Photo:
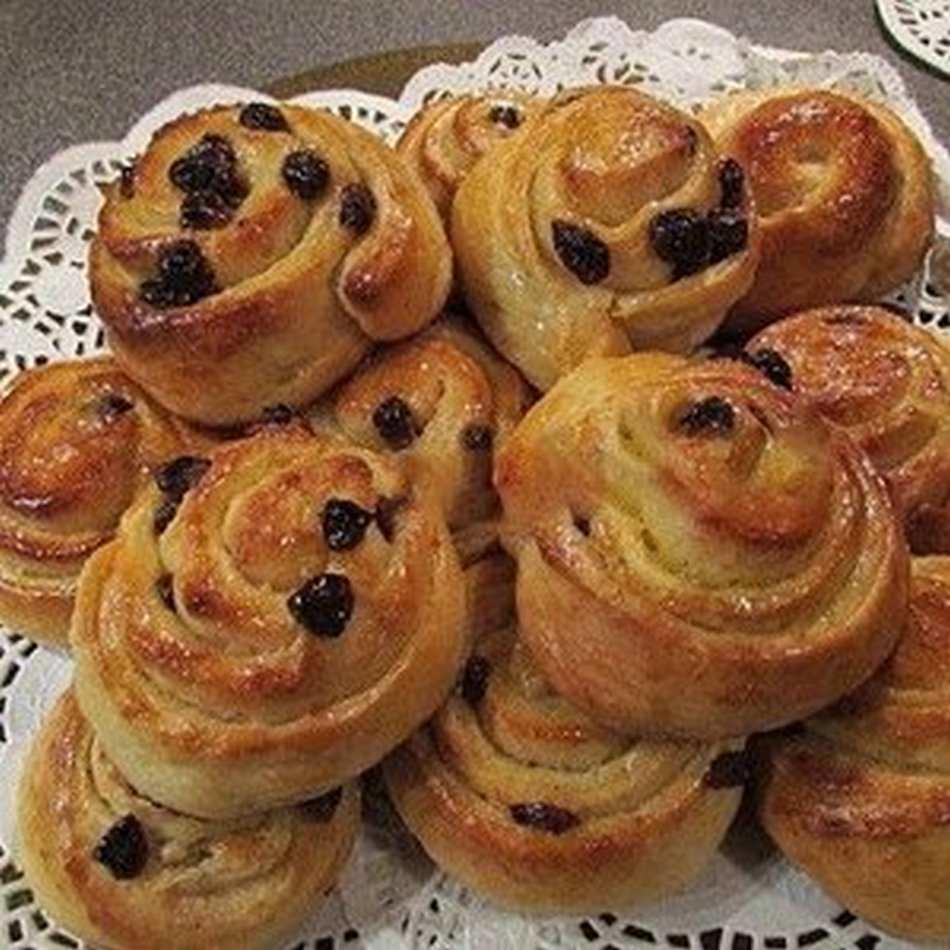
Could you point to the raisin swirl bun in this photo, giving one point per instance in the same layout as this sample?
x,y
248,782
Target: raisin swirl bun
x,y
122,872
446,137
697,554
844,191
529,802
860,796
250,257
442,402
888,383
270,622
77,440
607,223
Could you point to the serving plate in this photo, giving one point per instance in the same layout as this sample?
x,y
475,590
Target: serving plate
x,y
390,895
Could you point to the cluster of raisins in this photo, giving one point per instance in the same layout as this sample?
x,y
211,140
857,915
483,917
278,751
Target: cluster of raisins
x,y
214,189
184,277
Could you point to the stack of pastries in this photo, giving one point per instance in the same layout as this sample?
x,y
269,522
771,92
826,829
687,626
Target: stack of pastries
x,y
627,532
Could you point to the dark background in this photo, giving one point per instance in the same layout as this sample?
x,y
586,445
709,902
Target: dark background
x,y
78,70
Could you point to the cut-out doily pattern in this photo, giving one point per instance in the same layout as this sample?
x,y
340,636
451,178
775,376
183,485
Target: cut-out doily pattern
x,y
921,27
390,895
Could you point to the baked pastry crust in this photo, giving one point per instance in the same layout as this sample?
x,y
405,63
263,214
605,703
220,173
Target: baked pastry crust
x,y
844,191
237,662
236,885
552,234
292,285
77,441
616,821
888,383
860,797
697,554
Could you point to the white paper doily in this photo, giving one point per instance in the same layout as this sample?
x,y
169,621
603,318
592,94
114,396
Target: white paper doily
x,y
921,27
390,896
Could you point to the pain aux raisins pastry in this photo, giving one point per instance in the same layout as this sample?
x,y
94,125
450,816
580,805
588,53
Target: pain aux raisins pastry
x,y
446,137
527,801
860,797
888,383
77,440
443,402
843,189
697,553
270,622
252,255
610,222
119,870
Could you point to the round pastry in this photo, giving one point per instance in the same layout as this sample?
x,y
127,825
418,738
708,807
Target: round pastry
x,y
121,872
251,255
860,796
446,137
443,401
526,800
888,383
270,622
608,222
77,440
697,553
843,189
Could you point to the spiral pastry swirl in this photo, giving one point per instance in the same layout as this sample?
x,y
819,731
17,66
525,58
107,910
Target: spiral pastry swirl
x,y
860,797
445,138
888,383
697,554
844,191
251,255
295,614
526,800
77,440
443,402
121,871
607,223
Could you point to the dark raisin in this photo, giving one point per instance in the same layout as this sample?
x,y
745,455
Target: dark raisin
x,y
692,139
174,478
395,422
508,116
544,817
127,179
279,415
184,277
386,509
729,770
164,587
209,165
728,234
156,293
475,679
204,210
323,808
306,174
123,849
164,514
711,415
582,525
344,524
772,365
323,604
477,438
731,183
584,254
681,238
262,116
357,208
113,405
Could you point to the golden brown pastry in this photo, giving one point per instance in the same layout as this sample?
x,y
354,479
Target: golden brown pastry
x,y
527,801
251,255
123,873
697,554
446,137
77,440
888,383
270,622
860,797
442,401
608,222
844,191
